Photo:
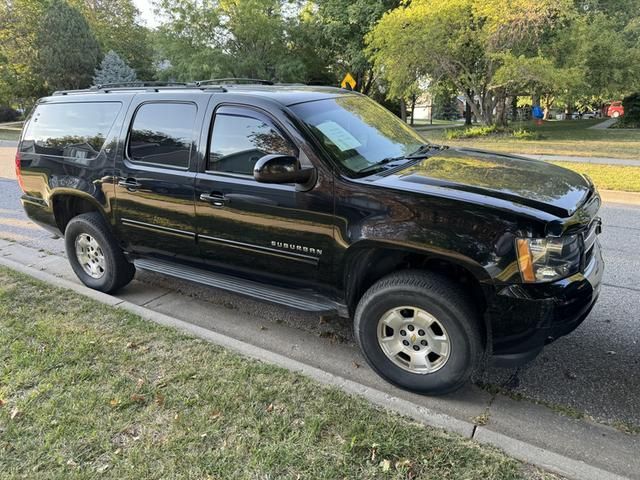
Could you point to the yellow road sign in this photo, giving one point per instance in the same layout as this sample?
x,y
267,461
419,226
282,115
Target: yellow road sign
x,y
348,80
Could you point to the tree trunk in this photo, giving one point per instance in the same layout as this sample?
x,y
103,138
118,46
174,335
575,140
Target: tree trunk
x,y
467,107
413,107
403,111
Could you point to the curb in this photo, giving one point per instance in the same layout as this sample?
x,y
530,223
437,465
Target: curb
x,y
526,452
615,196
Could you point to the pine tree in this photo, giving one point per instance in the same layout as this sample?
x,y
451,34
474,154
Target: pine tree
x,y
113,70
67,50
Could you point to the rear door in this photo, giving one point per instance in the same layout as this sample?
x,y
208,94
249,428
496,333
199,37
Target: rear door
x,y
256,228
155,174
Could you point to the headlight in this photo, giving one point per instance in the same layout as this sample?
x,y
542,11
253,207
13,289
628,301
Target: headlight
x,y
548,259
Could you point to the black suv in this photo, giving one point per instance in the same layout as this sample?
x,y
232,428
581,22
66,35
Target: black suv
x,y
319,199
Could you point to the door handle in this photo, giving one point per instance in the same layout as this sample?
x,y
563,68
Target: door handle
x,y
215,199
130,184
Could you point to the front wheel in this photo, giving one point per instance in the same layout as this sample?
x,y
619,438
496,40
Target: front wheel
x,y
94,254
419,332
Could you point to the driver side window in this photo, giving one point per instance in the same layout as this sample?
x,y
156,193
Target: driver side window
x,y
239,140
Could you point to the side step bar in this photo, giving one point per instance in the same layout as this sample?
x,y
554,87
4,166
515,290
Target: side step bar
x,y
308,302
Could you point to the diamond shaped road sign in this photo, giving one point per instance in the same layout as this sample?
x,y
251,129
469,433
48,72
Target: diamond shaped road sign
x,y
348,80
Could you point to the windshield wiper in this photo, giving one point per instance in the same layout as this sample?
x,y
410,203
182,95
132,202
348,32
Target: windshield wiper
x,y
378,165
424,150
421,152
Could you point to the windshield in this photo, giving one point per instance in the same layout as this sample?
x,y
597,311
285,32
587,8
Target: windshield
x,y
357,132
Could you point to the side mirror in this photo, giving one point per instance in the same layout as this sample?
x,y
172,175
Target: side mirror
x,y
281,169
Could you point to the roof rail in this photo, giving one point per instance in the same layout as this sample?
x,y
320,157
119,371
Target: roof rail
x,y
139,83
232,80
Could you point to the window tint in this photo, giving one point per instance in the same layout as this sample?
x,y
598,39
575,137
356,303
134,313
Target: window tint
x,y
162,134
238,142
74,130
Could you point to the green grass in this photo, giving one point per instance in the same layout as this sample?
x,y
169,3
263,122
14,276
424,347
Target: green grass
x,y
572,137
608,177
87,390
9,134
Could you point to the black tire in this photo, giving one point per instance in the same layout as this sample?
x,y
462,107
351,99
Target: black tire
x,y
437,296
117,271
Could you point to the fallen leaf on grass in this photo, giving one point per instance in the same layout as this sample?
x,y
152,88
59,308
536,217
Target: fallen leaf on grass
x,y
2,402
386,465
15,413
216,414
270,407
159,399
132,345
114,402
138,398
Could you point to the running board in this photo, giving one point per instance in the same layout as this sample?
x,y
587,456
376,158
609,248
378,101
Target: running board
x,y
308,302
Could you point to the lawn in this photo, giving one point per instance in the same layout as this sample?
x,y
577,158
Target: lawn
x,y
9,134
571,137
88,389
609,177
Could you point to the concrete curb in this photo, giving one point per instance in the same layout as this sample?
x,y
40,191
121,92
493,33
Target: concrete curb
x,y
523,451
615,196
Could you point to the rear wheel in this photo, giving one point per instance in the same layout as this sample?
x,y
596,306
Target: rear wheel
x,y
419,332
94,253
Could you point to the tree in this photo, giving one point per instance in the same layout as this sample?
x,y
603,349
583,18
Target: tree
x,y
20,81
67,50
113,70
463,42
342,26
116,26
238,38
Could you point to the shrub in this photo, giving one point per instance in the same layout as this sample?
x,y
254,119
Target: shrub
x,y
631,117
523,134
472,132
8,114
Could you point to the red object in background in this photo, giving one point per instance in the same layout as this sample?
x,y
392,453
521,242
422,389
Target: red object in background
x,y
613,109
539,122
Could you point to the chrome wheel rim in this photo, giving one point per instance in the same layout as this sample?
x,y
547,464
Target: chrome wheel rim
x,y
414,340
90,255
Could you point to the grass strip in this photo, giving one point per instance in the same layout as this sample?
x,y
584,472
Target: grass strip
x,y
87,389
570,137
608,177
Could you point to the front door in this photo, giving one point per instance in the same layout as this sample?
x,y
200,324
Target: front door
x,y
256,228
155,177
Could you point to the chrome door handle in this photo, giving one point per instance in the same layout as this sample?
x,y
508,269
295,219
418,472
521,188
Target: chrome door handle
x,y
215,199
130,184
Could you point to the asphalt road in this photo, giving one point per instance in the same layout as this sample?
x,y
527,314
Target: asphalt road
x,y
595,370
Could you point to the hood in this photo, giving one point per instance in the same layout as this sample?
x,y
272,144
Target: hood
x,y
533,183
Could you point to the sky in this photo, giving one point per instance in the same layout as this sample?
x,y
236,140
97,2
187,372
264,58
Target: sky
x,y
146,12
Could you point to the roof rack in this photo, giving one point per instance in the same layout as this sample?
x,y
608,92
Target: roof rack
x,y
232,80
138,83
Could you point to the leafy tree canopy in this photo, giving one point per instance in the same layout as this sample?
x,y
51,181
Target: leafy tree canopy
x,y
67,50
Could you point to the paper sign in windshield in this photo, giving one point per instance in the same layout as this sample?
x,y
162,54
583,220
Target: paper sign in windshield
x,y
338,135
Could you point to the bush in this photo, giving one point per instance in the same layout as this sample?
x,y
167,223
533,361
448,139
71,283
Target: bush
x,y
473,132
522,134
631,117
8,114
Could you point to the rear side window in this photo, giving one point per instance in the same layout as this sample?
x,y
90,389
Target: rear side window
x,y
76,130
162,134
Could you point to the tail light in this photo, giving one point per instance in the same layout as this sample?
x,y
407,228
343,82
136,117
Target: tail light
x,y
18,172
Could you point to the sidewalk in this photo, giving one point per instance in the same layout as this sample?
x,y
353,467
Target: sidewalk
x,y
602,125
576,449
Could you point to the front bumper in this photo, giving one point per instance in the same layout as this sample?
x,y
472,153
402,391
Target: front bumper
x,y
524,318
